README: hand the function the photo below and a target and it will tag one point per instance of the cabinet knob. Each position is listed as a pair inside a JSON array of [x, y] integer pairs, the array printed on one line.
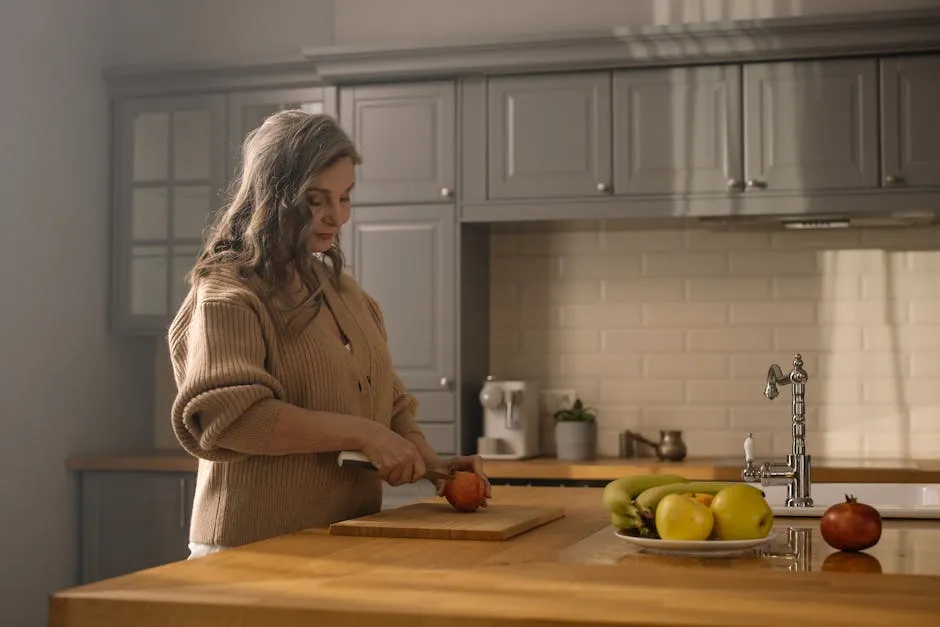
[[603, 187], [894, 179], [447, 192], [735, 185], [445, 383], [755, 184]]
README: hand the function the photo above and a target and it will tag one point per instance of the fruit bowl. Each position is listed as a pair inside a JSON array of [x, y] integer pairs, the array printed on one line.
[[695, 548]]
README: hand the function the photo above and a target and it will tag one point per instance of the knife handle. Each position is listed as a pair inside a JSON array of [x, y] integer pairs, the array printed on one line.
[[355, 459]]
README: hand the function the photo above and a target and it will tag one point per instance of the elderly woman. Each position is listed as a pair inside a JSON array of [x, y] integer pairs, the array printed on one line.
[[281, 359]]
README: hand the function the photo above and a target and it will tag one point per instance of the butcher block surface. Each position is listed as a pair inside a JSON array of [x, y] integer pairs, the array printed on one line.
[[437, 520], [573, 571]]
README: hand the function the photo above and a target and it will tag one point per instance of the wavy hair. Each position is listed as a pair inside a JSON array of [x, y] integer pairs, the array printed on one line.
[[266, 226]]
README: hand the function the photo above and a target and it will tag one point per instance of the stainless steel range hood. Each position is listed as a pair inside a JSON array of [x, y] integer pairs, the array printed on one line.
[[898, 219]]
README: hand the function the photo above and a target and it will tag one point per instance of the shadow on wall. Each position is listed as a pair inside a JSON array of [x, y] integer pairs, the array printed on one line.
[[675, 328]]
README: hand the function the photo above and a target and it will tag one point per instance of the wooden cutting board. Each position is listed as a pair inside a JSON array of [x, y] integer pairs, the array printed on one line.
[[438, 520]]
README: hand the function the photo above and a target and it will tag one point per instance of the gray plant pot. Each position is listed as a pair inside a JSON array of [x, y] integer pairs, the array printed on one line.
[[576, 440]]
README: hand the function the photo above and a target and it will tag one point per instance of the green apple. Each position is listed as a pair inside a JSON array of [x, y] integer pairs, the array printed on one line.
[[679, 517], [741, 513]]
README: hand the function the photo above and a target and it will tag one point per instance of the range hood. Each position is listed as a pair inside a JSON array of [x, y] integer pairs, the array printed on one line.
[[898, 219]]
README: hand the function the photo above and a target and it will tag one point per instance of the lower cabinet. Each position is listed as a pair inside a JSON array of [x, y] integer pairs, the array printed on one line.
[[131, 521]]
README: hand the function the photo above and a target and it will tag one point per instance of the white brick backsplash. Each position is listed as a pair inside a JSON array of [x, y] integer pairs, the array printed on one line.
[[602, 316], [685, 366], [684, 315], [640, 290], [675, 329], [642, 341], [724, 289], [738, 339]]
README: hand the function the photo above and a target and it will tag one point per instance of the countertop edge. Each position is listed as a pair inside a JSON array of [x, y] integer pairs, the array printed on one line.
[[551, 469]]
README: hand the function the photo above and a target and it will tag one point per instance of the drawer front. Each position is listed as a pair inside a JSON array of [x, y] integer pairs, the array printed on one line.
[[441, 436], [436, 406]]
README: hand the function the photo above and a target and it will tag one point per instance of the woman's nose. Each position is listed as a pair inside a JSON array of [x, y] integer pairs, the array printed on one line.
[[329, 212]]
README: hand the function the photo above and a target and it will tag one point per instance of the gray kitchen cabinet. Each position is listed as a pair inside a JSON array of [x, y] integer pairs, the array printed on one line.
[[407, 136], [549, 136], [168, 173], [677, 130], [910, 134], [811, 125], [247, 110], [131, 521], [405, 258]]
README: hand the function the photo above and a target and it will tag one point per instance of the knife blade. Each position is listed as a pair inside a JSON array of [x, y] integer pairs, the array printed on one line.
[[356, 459]]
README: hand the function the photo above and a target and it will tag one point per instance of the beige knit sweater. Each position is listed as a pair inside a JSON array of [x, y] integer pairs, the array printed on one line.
[[235, 366]]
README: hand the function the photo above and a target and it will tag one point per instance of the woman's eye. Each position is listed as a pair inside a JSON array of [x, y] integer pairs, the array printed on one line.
[[344, 199]]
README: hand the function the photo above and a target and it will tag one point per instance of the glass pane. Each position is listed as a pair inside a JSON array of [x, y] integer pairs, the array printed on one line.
[[312, 107], [149, 280], [150, 213], [254, 116], [192, 144], [191, 208], [183, 259], [151, 146]]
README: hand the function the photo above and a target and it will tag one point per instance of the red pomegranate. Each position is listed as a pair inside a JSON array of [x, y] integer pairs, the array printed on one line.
[[465, 491], [851, 526]]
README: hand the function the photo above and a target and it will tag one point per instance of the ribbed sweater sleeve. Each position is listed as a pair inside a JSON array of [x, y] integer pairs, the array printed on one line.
[[227, 403], [405, 405]]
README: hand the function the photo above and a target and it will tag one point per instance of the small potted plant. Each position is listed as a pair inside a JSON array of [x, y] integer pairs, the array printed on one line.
[[576, 433]]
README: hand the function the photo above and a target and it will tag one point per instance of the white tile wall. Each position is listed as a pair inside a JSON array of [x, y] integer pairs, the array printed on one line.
[[676, 328]]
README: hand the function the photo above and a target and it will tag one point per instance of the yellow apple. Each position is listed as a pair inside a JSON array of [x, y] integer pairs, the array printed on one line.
[[679, 517], [741, 513]]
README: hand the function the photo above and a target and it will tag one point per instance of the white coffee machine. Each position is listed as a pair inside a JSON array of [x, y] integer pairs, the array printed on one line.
[[510, 419]]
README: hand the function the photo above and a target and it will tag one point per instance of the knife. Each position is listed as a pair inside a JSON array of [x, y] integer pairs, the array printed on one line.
[[354, 458]]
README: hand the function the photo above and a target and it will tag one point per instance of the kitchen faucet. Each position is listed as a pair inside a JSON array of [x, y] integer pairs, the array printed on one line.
[[795, 473]]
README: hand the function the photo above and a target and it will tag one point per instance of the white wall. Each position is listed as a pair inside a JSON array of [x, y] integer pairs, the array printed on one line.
[[368, 21], [66, 385]]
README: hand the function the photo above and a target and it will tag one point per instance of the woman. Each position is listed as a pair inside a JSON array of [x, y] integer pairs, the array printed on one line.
[[281, 359]]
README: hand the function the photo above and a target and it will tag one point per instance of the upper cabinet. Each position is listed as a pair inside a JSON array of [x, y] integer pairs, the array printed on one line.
[[811, 125], [247, 110], [407, 136], [169, 169], [677, 130], [910, 134], [173, 158], [549, 136]]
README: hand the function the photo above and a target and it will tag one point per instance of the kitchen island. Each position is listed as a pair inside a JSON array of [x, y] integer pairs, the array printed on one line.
[[570, 571]]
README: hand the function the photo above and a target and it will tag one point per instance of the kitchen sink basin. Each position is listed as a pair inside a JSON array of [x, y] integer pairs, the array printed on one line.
[[893, 500]]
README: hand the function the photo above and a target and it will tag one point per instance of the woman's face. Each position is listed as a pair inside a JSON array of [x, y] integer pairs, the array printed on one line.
[[328, 198]]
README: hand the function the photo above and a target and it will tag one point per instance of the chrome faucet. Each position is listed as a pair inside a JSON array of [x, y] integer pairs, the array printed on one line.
[[795, 473]]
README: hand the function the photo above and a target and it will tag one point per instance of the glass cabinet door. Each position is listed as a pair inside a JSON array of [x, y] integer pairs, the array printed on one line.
[[169, 171]]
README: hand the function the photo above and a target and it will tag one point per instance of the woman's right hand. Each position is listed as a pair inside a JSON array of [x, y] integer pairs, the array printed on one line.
[[397, 460]]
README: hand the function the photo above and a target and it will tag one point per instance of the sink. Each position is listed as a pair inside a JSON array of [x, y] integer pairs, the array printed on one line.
[[893, 500]]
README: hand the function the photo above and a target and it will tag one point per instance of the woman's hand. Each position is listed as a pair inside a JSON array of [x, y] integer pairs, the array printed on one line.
[[467, 463], [397, 460]]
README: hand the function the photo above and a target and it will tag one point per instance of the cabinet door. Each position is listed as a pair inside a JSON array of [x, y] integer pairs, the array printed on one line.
[[678, 131], [811, 125], [910, 134], [169, 171], [407, 137], [549, 136], [248, 110], [131, 521], [405, 257]]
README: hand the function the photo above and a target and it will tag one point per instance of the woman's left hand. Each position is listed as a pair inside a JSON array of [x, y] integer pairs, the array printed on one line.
[[467, 463]]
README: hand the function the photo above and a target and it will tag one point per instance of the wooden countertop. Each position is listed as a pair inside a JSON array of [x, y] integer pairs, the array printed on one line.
[[571, 571], [604, 469]]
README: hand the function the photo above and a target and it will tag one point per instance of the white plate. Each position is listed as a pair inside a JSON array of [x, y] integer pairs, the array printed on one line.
[[696, 548]]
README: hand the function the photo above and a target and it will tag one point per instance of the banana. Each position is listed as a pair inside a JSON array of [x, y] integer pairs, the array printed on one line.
[[619, 494], [714, 487], [647, 501]]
